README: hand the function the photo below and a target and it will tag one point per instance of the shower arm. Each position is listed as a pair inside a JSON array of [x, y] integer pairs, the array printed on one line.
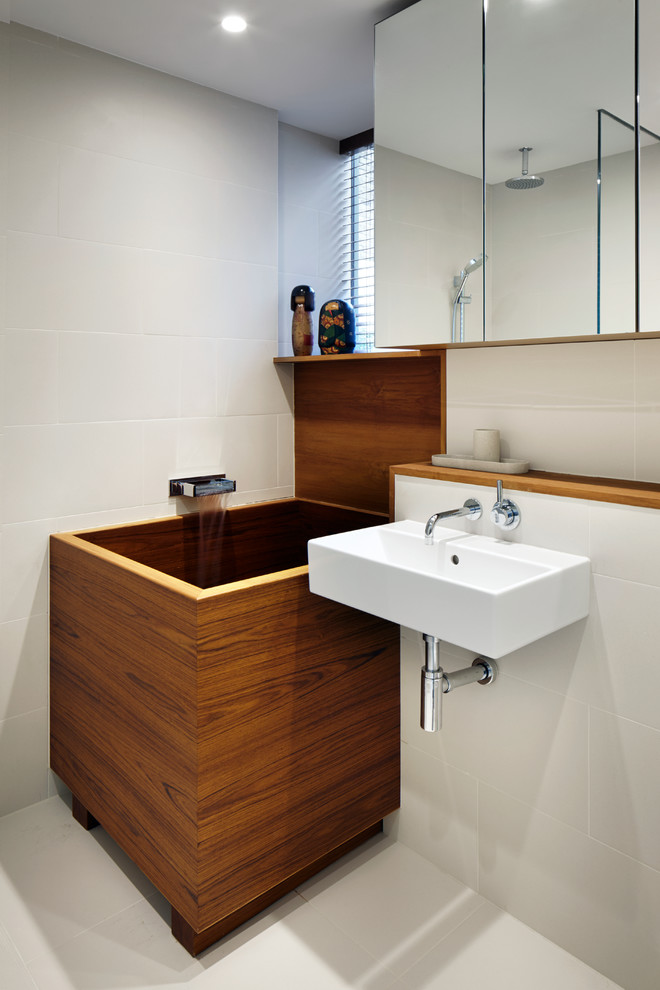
[[525, 161]]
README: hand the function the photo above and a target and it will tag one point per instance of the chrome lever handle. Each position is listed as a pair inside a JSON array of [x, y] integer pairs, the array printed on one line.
[[505, 513]]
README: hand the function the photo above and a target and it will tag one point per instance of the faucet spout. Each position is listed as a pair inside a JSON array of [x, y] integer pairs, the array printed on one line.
[[202, 485], [471, 507]]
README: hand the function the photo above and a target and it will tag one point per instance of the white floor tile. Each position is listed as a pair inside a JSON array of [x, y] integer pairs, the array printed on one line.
[[13, 973], [57, 880], [494, 951], [392, 901], [289, 946], [75, 914]]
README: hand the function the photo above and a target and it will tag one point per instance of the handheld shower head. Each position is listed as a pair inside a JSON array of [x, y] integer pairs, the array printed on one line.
[[525, 181], [459, 285], [473, 264]]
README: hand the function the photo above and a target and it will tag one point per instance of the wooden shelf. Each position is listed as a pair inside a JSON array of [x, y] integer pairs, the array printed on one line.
[[360, 356], [639, 493], [424, 350]]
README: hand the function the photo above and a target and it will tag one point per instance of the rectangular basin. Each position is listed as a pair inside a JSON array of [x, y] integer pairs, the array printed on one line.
[[487, 595]]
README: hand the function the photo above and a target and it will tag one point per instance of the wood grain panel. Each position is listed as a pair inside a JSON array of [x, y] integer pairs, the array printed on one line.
[[615, 490], [197, 941], [229, 739], [314, 735], [124, 711], [353, 420], [218, 546]]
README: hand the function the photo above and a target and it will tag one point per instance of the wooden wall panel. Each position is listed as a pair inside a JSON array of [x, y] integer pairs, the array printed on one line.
[[353, 419]]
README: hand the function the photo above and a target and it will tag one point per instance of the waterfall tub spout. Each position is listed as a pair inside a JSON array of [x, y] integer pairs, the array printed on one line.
[[203, 485]]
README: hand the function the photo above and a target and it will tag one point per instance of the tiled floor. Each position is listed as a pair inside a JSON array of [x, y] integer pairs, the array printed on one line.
[[75, 914]]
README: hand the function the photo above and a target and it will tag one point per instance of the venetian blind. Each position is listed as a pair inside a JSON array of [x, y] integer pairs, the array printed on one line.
[[358, 254]]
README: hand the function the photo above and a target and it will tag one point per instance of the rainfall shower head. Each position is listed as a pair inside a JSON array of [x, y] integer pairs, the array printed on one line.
[[525, 181]]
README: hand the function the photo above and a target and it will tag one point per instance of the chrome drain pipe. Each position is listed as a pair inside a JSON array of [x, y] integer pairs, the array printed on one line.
[[436, 682], [432, 686]]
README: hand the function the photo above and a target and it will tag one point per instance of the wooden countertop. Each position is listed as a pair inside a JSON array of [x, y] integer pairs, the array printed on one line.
[[566, 485]]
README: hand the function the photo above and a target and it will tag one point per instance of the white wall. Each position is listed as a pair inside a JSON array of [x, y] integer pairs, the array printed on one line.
[[542, 790], [311, 229], [428, 226], [581, 408], [141, 301], [649, 275], [542, 257]]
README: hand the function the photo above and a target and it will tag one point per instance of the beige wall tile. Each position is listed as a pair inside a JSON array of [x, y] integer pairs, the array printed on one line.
[[624, 542], [57, 283], [29, 378], [535, 396], [647, 410], [55, 470], [23, 760], [24, 667], [595, 902], [625, 786], [33, 178], [24, 571], [438, 815]]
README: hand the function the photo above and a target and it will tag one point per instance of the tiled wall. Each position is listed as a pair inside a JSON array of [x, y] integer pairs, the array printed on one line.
[[140, 223], [542, 790], [311, 231], [581, 408]]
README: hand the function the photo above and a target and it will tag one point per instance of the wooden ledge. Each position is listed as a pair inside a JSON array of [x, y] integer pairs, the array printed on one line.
[[623, 492], [360, 356], [429, 350]]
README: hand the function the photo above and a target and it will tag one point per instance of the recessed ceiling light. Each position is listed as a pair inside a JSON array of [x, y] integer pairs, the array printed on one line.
[[234, 23]]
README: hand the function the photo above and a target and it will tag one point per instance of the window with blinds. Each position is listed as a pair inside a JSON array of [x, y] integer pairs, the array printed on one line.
[[358, 254]]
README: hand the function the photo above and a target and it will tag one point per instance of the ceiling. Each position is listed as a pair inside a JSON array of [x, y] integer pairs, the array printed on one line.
[[312, 60]]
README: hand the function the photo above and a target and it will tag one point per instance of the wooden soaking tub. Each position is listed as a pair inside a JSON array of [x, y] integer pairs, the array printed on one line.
[[233, 732]]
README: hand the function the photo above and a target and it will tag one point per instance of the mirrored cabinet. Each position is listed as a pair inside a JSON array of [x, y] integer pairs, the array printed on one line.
[[517, 187]]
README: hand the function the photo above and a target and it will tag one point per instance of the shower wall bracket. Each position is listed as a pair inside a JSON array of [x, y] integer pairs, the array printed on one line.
[[436, 682], [213, 484]]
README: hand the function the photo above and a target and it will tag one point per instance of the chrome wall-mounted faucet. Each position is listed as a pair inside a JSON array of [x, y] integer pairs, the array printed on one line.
[[470, 508], [505, 513], [209, 484]]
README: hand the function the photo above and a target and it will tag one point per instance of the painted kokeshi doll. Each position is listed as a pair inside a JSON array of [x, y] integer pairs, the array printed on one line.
[[336, 327]]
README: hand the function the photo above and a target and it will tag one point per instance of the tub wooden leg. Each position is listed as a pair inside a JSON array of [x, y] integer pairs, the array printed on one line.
[[81, 814]]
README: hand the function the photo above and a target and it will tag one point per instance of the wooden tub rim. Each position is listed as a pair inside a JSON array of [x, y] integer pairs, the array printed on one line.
[[76, 539]]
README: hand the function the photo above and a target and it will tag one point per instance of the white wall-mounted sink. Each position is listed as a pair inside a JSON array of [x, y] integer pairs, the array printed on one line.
[[484, 594]]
